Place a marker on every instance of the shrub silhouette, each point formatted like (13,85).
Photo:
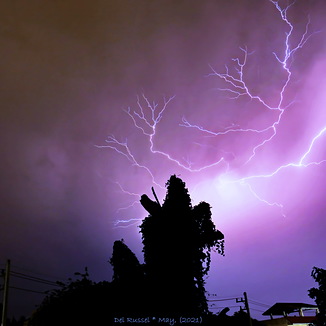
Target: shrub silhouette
(319,294)
(77,302)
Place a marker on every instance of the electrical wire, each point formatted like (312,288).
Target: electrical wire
(214,300)
(256,310)
(26,290)
(29,271)
(260,303)
(33,278)
(225,307)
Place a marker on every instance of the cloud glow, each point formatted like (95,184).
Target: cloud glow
(208,159)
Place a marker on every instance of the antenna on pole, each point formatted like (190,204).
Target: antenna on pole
(153,191)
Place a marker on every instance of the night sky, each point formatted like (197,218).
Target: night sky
(86,129)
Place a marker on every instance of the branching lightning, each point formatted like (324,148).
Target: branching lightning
(123,149)
(148,115)
(136,202)
(151,123)
(298,164)
(237,86)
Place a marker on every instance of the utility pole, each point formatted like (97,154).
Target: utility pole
(247,307)
(245,301)
(5,295)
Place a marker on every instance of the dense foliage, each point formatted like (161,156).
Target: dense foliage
(178,240)
(319,294)
(77,302)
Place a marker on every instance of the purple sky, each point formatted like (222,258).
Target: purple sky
(69,72)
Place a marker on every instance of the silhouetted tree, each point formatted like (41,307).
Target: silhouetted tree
(85,302)
(319,294)
(126,268)
(78,302)
(127,282)
(178,240)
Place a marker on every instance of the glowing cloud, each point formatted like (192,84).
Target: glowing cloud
(211,159)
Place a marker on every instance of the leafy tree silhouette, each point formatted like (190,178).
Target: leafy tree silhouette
(127,282)
(77,302)
(82,301)
(178,240)
(126,268)
(319,294)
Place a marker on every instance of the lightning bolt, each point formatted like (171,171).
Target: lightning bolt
(299,164)
(148,115)
(146,119)
(237,86)
(126,223)
(126,192)
(123,149)
(151,123)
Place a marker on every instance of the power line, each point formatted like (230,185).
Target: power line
(34,279)
(29,271)
(26,290)
(22,275)
(225,307)
(31,276)
(266,304)
(259,303)
(256,309)
(237,297)
(222,296)
(223,299)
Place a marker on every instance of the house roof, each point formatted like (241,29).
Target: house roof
(279,308)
